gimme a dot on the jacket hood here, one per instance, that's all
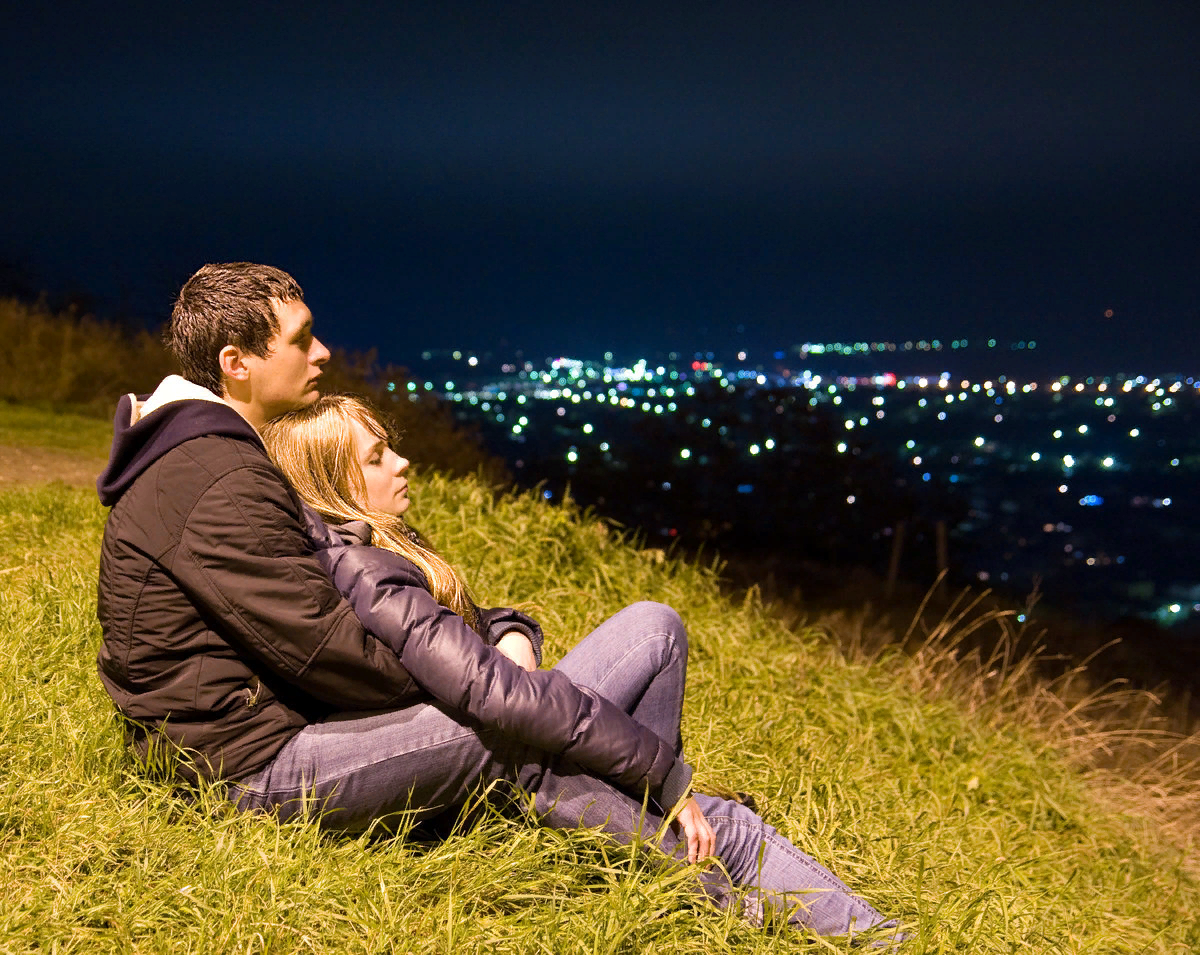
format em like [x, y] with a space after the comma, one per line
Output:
[146, 427]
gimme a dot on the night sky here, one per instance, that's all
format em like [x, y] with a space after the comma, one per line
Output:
[568, 177]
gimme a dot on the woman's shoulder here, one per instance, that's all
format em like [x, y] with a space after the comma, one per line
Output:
[352, 532]
[325, 534]
[347, 551]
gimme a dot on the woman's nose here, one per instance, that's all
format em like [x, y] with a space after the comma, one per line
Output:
[401, 464]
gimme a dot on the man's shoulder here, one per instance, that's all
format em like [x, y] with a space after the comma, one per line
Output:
[213, 486]
[209, 466]
[209, 457]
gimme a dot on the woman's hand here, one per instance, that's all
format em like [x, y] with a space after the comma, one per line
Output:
[516, 646]
[701, 840]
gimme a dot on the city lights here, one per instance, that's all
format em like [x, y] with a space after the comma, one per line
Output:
[988, 431]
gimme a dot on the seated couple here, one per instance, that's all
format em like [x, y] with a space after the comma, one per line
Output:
[268, 612]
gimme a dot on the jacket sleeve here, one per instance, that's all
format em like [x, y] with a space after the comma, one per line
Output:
[245, 559]
[542, 708]
[497, 621]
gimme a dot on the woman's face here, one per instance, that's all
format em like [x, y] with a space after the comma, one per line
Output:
[382, 470]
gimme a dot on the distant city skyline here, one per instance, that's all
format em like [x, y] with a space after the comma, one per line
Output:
[1026, 358]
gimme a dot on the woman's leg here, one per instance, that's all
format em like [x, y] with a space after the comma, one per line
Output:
[766, 873]
[637, 659]
[351, 770]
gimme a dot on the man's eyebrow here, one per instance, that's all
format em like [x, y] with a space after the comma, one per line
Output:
[303, 330]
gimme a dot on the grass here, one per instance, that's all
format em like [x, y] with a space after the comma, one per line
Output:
[957, 794]
[27, 426]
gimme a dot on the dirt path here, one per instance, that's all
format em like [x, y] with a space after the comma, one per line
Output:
[21, 465]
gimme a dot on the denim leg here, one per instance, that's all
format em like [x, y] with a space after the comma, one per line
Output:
[773, 873]
[637, 659]
[354, 768]
[780, 876]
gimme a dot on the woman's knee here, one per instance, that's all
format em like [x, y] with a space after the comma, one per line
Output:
[661, 620]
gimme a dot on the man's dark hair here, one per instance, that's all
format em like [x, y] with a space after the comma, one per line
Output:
[226, 304]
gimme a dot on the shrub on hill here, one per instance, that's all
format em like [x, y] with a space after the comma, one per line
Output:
[68, 361]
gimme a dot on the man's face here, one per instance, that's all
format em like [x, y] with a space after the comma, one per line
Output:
[287, 378]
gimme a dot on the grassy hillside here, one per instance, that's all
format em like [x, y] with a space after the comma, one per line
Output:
[24, 426]
[951, 796]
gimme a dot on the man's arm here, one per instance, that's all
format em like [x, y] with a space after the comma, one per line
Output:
[245, 560]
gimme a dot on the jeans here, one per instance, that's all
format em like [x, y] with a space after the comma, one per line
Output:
[424, 759]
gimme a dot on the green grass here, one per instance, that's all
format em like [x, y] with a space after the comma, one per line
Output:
[948, 807]
[31, 427]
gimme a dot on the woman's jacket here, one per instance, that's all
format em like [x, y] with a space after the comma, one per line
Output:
[450, 661]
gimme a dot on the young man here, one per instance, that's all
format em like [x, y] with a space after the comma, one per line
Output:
[221, 633]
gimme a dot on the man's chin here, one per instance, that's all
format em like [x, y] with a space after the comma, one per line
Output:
[282, 408]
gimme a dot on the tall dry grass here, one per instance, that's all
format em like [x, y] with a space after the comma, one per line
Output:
[995, 666]
[941, 792]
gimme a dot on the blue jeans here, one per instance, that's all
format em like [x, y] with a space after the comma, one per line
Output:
[353, 769]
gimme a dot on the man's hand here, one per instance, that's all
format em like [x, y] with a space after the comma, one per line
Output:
[516, 646]
[701, 840]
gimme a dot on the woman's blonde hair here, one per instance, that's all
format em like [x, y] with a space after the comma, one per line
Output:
[314, 447]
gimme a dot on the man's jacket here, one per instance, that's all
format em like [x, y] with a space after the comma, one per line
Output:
[222, 630]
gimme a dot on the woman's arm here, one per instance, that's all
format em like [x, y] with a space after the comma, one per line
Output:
[542, 708]
[497, 622]
[518, 648]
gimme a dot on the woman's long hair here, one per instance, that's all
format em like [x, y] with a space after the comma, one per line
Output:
[314, 447]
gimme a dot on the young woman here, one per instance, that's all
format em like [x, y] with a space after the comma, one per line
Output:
[589, 738]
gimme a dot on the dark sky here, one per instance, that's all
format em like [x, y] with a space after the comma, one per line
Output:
[569, 177]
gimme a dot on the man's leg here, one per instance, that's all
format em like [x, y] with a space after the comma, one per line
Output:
[637, 659]
[353, 768]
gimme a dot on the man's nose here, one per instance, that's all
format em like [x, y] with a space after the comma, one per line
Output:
[319, 354]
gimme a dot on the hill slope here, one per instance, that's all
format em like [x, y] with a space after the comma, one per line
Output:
[970, 827]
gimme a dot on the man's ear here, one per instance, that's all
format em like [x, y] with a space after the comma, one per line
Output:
[235, 373]
[232, 363]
